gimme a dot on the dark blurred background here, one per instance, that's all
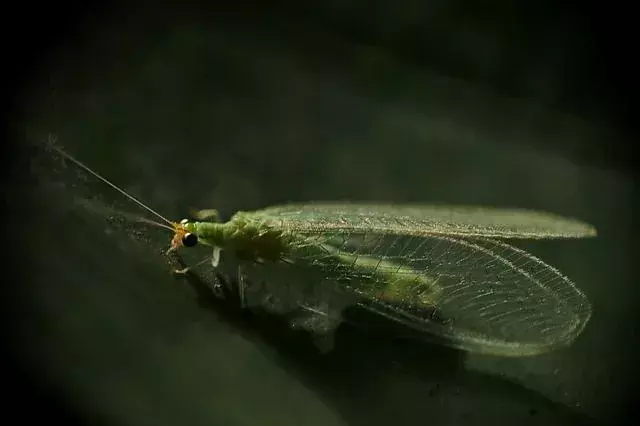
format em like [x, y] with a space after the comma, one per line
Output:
[566, 57]
[241, 105]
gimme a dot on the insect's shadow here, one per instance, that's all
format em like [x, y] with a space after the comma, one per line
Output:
[372, 377]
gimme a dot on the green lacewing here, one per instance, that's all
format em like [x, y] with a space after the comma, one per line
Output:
[445, 272]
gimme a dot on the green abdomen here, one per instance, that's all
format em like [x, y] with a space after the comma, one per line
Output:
[385, 279]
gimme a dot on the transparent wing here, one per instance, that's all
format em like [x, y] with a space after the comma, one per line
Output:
[420, 220]
[473, 294]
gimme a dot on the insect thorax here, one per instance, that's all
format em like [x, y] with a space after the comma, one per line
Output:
[250, 240]
[257, 240]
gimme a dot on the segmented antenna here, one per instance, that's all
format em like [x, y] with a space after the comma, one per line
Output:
[51, 144]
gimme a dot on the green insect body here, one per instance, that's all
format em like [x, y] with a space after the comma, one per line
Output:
[405, 260]
[258, 241]
[401, 283]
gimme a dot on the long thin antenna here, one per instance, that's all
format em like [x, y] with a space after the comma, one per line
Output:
[105, 180]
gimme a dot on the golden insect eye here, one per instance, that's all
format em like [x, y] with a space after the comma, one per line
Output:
[189, 239]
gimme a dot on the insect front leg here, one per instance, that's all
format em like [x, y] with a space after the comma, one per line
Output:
[182, 272]
[176, 261]
[215, 257]
[215, 261]
[241, 287]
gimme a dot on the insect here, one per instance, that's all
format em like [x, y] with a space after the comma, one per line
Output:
[445, 272]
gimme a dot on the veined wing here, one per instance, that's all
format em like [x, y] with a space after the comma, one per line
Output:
[421, 220]
[487, 296]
